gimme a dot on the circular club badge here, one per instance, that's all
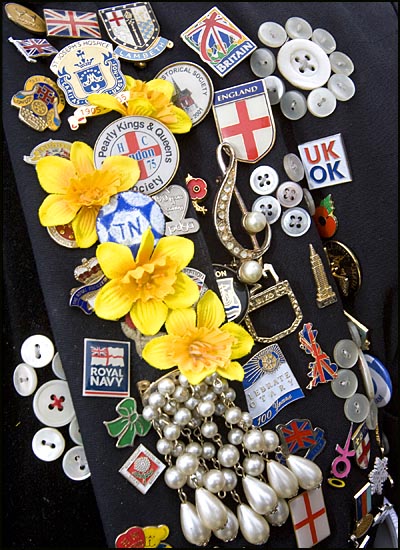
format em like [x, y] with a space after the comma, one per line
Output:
[194, 89]
[146, 140]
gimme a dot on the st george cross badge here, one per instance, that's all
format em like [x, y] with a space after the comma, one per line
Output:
[362, 445]
[135, 30]
[244, 119]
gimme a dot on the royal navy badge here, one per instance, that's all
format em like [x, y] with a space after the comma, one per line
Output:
[135, 30]
[87, 67]
[244, 119]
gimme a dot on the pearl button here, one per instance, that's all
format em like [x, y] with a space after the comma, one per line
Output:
[309, 201]
[269, 206]
[37, 351]
[296, 27]
[75, 465]
[355, 335]
[52, 404]
[345, 384]
[74, 431]
[25, 379]
[293, 167]
[295, 222]
[272, 34]
[57, 367]
[304, 64]
[289, 194]
[262, 62]
[321, 102]
[341, 63]
[275, 89]
[356, 408]
[264, 180]
[293, 105]
[48, 444]
[324, 39]
[341, 86]
[345, 354]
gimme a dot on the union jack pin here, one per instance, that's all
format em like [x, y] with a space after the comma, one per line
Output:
[322, 370]
[71, 24]
[31, 48]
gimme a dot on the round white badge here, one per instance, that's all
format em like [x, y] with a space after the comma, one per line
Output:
[146, 140]
[194, 89]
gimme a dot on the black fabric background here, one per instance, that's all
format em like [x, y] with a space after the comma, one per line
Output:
[41, 506]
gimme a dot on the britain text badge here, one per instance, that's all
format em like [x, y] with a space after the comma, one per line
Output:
[31, 48]
[149, 142]
[194, 89]
[87, 67]
[244, 119]
[269, 384]
[135, 30]
[142, 469]
[219, 42]
[362, 445]
[40, 103]
[174, 202]
[58, 148]
[91, 276]
[71, 24]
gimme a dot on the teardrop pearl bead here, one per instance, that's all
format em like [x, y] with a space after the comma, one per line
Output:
[253, 527]
[261, 497]
[279, 516]
[282, 480]
[307, 472]
[192, 528]
[212, 512]
[230, 531]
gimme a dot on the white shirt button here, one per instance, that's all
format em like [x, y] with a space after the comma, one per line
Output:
[324, 39]
[296, 221]
[75, 432]
[356, 408]
[48, 444]
[321, 102]
[309, 201]
[304, 64]
[289, 194]
[37, 351]
[341, 86]
[262, 62]
[52, 404]
[345, 384]
[345, 354]
[341, 63]
[275, 88]
[293, 105]
[293, 167]
[264, 180]
[25, 379]
[296, 27]
[57, 367]
[269, 206]
[75, 465]
[272, 34]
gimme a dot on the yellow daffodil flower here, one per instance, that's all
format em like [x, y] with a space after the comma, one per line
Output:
[148, 286]
[199, 344]
[152, 99]
[78, 191]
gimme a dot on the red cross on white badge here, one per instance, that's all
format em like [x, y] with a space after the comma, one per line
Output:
[145, 150]
[309, 518]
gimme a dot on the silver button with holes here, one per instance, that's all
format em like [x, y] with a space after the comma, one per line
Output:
[264, 180]
[297, 27]
[48, 444]
[309, 201]
[57, 367]
[341, 86]
[289, 194]
[74, 431]
[272, 34]
[345, 384]
[37, 351]
[356, 408]
[269, 206]
[293, 105]
[293, 167]
[296, 221]
[75, 465]
[275, 88]
[52, 404]
[25, 379]
[262, 62]
[341, 63]
[321, 102]
[345, 353]
[324, 40]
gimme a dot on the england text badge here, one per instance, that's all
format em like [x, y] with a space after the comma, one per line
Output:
[194, 89]
[135, 30]
[269, 384]
[219, 42]
[244, 119]
[106, 368]
[142, 469]
[52, 147]
[325, 162]
[40, 103]
[87, 67]
[149, 142]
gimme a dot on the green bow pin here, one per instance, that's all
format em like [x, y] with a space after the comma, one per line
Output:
[128, 424]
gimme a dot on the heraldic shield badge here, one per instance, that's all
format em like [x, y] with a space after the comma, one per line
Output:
[244, 119]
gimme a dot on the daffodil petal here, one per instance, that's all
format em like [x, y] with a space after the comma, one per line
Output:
[54, 210]
[112, 301]
[232, 371]
[179, 249]
[84, 226]
[186, 292]
[115, 259]
[130, 82]
[146, 247]
[159, 352]
[180, 321]
[182, 122]
[55, 173]
[195, 378]
[149, 316]
[140, 107]
[81, 156]
[162, 86]
[108, 102]
[242, 343]
[210, 311]
[127, 169]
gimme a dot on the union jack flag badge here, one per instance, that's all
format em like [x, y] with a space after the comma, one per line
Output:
[362, 445]
[309, 517]
[298, 435]
[218, 41]
[106, 368]
[244, 119]
[31, 48]
[135, 30]
[71, 24]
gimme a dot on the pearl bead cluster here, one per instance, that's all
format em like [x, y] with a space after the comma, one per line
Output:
[188, 419]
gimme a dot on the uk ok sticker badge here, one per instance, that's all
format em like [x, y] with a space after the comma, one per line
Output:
[219, 42]
[325, 162]
[244, 119]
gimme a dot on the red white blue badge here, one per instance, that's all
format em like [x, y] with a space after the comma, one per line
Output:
[362, 445]
[218, 41]
[31, 48]
[299, 435]
[244, 119]
[106, 368]
[325, 162]
[71, 24]
[322, 370]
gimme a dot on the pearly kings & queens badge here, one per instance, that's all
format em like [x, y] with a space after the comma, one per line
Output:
[135, 30]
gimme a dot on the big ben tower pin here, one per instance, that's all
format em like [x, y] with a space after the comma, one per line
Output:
[325, 294]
